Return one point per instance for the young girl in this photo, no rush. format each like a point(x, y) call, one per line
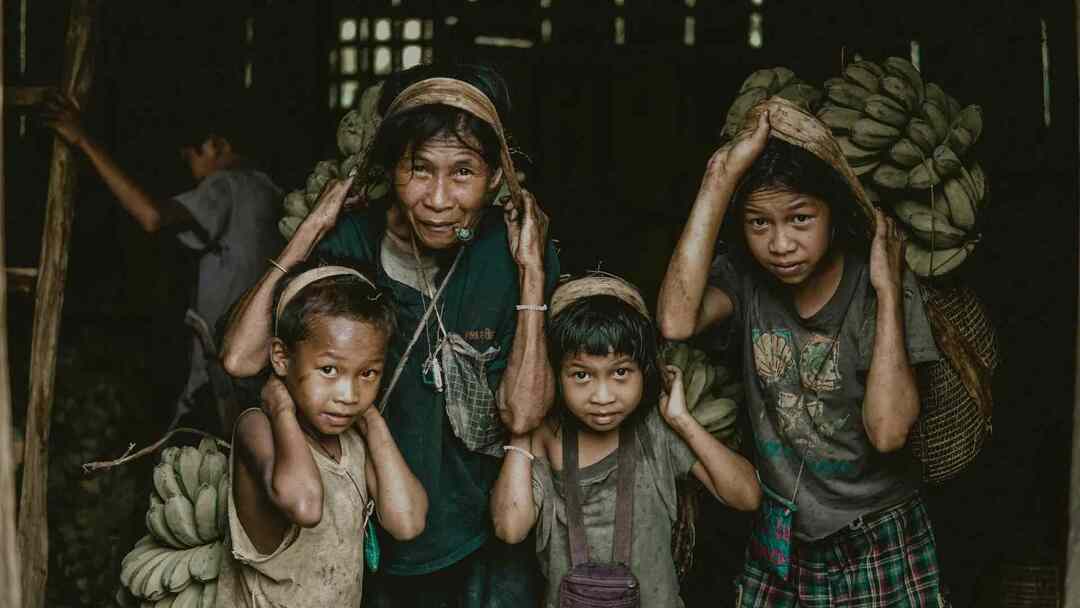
point(603, 347)
point(831, 327)
point(309, 467)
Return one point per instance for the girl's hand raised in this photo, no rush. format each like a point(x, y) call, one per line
point(673, 399)
point(731, 161)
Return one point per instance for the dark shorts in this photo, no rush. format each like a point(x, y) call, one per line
point(886, 560)
point(496, 575)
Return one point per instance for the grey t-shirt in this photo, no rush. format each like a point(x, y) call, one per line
point(664, 457)
point(805, 383)
point(236, 213)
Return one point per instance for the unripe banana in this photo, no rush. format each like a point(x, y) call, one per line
point(209, 595)
point(694, 383)
point(287, 225)
point(784, 76)
point(327, 168)
point(165, 482)
point(732, 391)
point(961, 205)
point(137, 558)
point(946, 162)
point(206, 563)
point(190, 597)
point(922, 134)
point(960, 139)
point(742, 104)
point(315, 183)
point(979, 187)
point(847, 94)
point(296, 204)
point(886, 110)
point(937, 95)
point(206, 513)
point(678, 355)
point(935, 115)
point(902, 91)
point(208, 445)
point(223, 499)
point(906, 70)
point(871, 134)
point(890, 176)
point(905, 153)
point(838, 118)
point(861, 170)
point(169, 454)
point(857, 155)
point(801, 94)
point(764, 79)
point(931, 227)
point(212, 468)
point(180, 516)
point(142, 578)
point(178, 575)
point(187, 470)
point(158, 526)
point(954, 108)
point(971, 119)
point(923, 175)
point(926, 263)
point(941, 204)
point(714, 412)
point(858, 73)
point(166, 570)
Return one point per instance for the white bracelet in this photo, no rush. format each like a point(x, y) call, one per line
point(523, 451)
point(538, 307)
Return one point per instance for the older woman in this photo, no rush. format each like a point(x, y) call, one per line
point(468, 362)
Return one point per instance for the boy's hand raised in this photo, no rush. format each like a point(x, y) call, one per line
point(275, 397)
point(886, 255)
point(733, 160)
point(673, 399)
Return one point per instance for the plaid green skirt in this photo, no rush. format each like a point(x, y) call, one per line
point(887, 560)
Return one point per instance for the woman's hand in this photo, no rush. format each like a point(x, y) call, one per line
point(673, 399)
point(526, 230)
point(330, 202)
point(275, 398)
point(62, 114)
point(886, 255)
point(734, 159)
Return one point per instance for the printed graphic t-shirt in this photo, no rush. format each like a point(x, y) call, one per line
point(478, 304)
point(805, 384)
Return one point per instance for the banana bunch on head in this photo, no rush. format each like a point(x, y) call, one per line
point(178, 562)
point(712, 391)
point(763, 84)
point(356, 131)
point(909, 142)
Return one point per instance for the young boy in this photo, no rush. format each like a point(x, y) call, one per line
point(229, 218)
point(307, 467)
point(831, 330)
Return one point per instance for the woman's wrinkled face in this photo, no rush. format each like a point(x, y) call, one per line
point(787, 233)
point(441, 185)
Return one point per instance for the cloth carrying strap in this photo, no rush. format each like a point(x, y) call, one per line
point(624, 496)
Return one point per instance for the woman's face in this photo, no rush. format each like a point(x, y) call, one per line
point(787, 233)
point(441, 185)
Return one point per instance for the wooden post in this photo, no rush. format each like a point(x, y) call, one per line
point(10, 587)
point(33, 522)
point(1072, 550)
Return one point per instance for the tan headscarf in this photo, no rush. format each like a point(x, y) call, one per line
point(596, 284)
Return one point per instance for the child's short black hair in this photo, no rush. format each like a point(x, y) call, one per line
point(203, 121)
point(604, 324)
point(787, 167)
point(397, 133)
point(338, 296)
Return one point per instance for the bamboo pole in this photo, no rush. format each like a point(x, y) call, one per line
point(33, 521)
point(1072, 550)
point(10, 589)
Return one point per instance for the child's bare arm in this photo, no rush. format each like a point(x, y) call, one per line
point(891, 404)
point(726, 474)
point(246, 345)
point(513, 510)
point(400, 500)
point(276, 452)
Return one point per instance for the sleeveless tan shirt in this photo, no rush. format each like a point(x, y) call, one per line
point(320, 566)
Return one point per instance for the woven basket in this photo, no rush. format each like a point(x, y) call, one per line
point(957, 405)
point(1030, 586)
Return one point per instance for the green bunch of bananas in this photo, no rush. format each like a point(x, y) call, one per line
point(178, 562)
point(762, 84)
point(909, 142)
point(356, 131)
point(712, 391)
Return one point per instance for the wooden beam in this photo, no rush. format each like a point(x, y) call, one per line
point(1072, 549)
point(10, 586)
point(24, 96)
point(33, 521)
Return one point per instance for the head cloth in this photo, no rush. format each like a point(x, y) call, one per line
point(310, 276)
point(463, 96)
point(597, 284)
